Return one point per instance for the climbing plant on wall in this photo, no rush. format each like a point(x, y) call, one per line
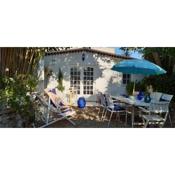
point(60, 81)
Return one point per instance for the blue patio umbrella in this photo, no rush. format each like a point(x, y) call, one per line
point(138, 66)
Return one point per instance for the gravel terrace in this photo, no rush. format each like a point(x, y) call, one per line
point(88, 118)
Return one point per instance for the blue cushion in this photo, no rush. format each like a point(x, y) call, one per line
point(161, 99)
point(118, 107)
point(53, 91)
point(124, 95)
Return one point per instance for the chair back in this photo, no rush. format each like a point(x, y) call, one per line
point(155, 96)
point(102, 100)
point(159, 108)
point(108, 100)
point(166, 97)
point(98, 97)
point(58, 94)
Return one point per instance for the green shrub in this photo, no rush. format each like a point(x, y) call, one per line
point(129, 88)
point(15, 94)
point(139, 86)
point(60, 81)
point(162, 83)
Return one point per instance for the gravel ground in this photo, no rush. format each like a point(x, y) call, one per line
point(89, 118)
point(84, 118)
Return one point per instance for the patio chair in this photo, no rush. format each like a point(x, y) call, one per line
point(117, 108)
point(167, 98)
point(102, 104)
point(155, 114)
point(56, 112)
point(155, 96)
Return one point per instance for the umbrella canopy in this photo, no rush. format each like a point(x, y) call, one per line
point(138, 66)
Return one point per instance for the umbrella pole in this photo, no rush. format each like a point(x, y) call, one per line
point(133, 88)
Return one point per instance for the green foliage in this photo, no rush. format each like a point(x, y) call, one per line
point(15, 93)
point(139, 86)
point(60, 81)
point(162, 56)
point(129, 88)
point(162, 83)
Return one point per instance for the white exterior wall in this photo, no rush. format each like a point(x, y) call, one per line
point(40, 74)
point(105, 80)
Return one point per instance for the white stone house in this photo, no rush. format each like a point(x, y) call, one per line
point(87, 71)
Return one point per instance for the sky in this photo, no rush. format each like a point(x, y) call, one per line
point(133, 54)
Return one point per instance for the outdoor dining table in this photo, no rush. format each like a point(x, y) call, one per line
point(133, 102)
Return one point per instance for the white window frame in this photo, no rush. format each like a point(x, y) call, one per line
point(88, 80)
point(74, 79)
point(126, 78)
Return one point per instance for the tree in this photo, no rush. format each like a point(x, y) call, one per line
point(162, 56)
point(127, 50)
point(22, 60)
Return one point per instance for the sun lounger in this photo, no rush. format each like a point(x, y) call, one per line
point(56, 110)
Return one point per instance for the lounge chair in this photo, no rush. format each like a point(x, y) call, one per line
point(58, 94)
point(56, 110)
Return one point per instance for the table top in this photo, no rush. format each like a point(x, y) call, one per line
point(132, 101)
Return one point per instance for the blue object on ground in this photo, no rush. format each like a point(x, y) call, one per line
point(81, 102)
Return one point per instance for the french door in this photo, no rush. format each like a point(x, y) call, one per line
point(82, 80)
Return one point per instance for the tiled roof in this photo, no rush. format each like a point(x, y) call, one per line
point(87, 50)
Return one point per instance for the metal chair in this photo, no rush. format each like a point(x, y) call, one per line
point(167, 98)
point(114, 108)
point(102, 105)
point(155, 114)
point(155, 96)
